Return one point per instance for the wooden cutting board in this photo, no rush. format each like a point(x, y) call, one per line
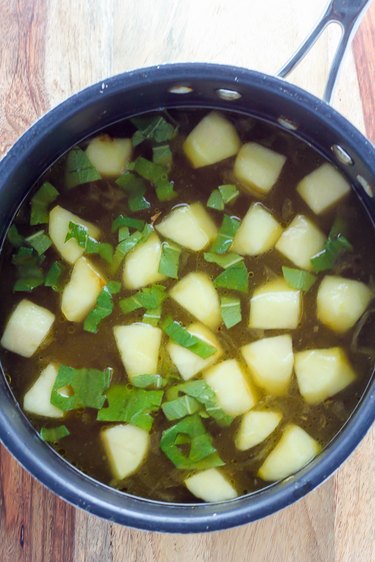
point(50, 49)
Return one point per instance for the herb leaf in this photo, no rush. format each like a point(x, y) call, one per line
point(126, 245)
point(334, 247)
point(149, 381)
point(180, 407)
point(152, 316)
point(298, 279)
point(230, 311)
point(87, 386)
point(79, 169)
point(130, 222)
point(228, 192)
point(235, 277)
point(14, 237)
point(89, 244)
point(103, 307)
point(149, 298)
point(183, 337)
point(227, 231)
point(40, 202)
point(215, 201)
point(39, 241)
point(54, 434)
point(29, 272)
point(155, 128)
point(223, 260)
point(53, 276)
point(169, 260)
point(162, 155)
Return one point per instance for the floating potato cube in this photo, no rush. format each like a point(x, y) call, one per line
point(58, 228)
point(188, 363)
point(212, 140)
point(37, 399)
point(141, 265)
point(139, 346)
point(341, 302)
point(323, 188)
point(294, 450)
point(255, 427)
point(81, 292)
point(210, 486)
point(190, 226)
point(301, 241)
point(126, 447)
point(322, 373)
point(258, 167)
point(109, 156)
point(275, 306)
point(270, 361)
point(234, 392)
point(258, 232)
point(27, 327)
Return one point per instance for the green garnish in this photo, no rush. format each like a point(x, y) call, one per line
point(157, 175)
point(40, 202)
point(183, 337)
point(86, 388)
point(155, 129)
point(123, 232)
point(14, 237)
point(230, 311)
point(126, 245)
point(29, 272)
point(298, 279)
point(169, 260)
point(79, 169)
point(165, 190)
point(131, 405)
point(334, 247)
point(135, 188)
point(236, 278)
point(162, 155)
point(225, 236)
point(152, 316)
point(215, 201)
point(149, 298)
point(130, 222)
point(54, 434)
point(103, 307)
point(180, 407)
point(223, 260)
point(39, 241)
point(53, 276)
point(228, 192)
point(149, 381)
point(88, 243)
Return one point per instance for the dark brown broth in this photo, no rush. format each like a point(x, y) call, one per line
point(101, 202)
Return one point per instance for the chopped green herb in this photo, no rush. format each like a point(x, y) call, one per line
point(169, 260)
point(29, 272)
point(40, 202)
point(225, 236)
point(126, 245)
point(135, 188)
point(180, 407)
point(103, 307)
point(54, 434)
point(14, 237)
point(138, 203)
point(53, 276)
point(165, 190)
point(340, 226)
point(39, 241)
point(149, 298)
point(183, 337)
point(130, 222)
point(223, 260)
point(333, 249)
point(157, 175)
point(89, 244)
point(236, 277)
point(298, 279)
point(123, 232)
point(162, 155)
point(155, 129)
point(79, 169)
point(215, 201)
point(152, 316)
point(230, 311)
point(149, 381)
point(228, 192)
point(86, 388)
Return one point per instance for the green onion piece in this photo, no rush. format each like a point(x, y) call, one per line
point(155, 128)
point(131, 405)
point(152, 316)
point(54, 434)
point(149, 298)
point(225, 236)
point(340, 226)
point(123, 232)
point(169, 260)
point(215, 201)
point(87, 388)
point(138, 203)
point(130, 222)
point(183, 337)
point(298, 279)
point(181, 407)
point(149, 170)
point(230, 311)
point(103, 307)
point(128, 244)
point(79, 169)
point(89, 244)
point(29, 273)
point(162, 155)
point(228, 192)
point(333, 249)
point(39, 241)
point(149, 381)
point(14, 237)
point(53, 276)
point(131, 184)
point(236, 277)
point(223, 260)
point(165, 190)
point(40, 202)
point(202, 452)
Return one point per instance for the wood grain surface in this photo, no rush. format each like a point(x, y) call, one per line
point(52, 48)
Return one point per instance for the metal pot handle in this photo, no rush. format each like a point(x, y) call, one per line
point(347, 13)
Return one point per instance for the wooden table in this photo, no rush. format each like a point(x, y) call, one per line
point(50, 49)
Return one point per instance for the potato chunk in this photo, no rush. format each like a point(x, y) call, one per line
point(258, 232)
point(212, 140)
point(37, 399)
point(234, 392)
point(210, 486)
point(197, 294)
point(126, 447)
point(301, 241)
point(80, 294)
point(258, 167)
point(255, 427)
point(109, 156)
point(321, 373)
point(139, 346)
point(27, 327)
point(141, 266)
point(190, 226)
point(58, 227)
point(275, 306)
point(188, 363)
point(270, 361)
point(294, 450)
point(323, 188)
point(341, 302)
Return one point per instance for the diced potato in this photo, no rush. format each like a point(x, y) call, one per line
point(321, 373)
point(58, 227)
point(109, 156)
point(234, 392)
point(139, 346)
point(141, 266)
point(255, 427)
point(323, 188)
point(294, 450)
point(258, 232)
point(37, 399)
point(270, 361)
point(190, 226)
point(81, 292)
point(126, 447)
point(341, 302)
point(212, 140)
point(301, 241)
point(27, 327)
point(188, 363)
point(210, 486)
point(197, 294)
point(258, 167)
point(275, 306)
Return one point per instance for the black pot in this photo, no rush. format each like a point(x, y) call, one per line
point(205, 86)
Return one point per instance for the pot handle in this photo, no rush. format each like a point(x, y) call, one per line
point(347, 13)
